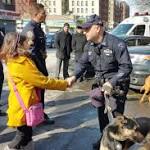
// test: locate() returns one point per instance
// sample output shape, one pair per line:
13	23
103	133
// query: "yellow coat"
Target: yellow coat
26	77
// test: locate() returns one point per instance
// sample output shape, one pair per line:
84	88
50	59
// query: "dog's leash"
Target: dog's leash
108	108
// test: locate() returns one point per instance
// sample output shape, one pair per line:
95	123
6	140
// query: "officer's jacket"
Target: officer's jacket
110	60
38	49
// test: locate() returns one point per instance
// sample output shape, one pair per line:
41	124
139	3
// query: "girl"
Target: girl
27	78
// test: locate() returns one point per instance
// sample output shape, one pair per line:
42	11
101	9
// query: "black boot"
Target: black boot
48	120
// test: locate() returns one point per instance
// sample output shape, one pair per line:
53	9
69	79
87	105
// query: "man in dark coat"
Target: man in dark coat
63	44
38	49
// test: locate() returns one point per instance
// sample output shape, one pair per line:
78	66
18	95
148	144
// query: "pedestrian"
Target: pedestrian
27	78
63	44
38	49
78	43
1	73
111	61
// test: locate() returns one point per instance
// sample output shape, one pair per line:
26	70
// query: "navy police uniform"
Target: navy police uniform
111	62
38	50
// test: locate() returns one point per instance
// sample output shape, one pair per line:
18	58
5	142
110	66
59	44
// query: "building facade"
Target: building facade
124	9
55	7
8	15
117	12
84	8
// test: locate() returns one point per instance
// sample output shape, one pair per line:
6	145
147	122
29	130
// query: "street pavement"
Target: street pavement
76	124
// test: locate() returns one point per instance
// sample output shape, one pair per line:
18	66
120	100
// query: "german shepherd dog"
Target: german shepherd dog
123	132
146	89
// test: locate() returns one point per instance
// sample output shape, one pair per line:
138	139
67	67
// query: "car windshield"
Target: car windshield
121	29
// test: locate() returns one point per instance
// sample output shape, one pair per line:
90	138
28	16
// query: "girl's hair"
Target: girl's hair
13	45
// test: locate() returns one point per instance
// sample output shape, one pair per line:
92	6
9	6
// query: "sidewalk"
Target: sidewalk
76	124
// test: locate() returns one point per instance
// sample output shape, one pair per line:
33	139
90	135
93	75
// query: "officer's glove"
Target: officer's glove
107	88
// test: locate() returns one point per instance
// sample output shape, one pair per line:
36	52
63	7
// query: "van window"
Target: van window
138	30
121	29
131	42
144	41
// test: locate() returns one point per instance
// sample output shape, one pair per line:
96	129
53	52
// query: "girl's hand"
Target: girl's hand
71	80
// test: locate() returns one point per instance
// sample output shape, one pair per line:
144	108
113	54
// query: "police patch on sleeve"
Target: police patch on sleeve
121	45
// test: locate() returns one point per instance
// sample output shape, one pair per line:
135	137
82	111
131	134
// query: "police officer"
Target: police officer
38	50
110	59
78	43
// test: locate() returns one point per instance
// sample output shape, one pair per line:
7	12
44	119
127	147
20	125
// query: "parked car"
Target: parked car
50	40
136	40
140	57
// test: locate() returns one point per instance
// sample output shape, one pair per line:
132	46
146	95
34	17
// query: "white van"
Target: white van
135	25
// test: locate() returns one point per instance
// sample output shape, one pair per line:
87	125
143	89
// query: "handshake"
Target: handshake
71	81
107	88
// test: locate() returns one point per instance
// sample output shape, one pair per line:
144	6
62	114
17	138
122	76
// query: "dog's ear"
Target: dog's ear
113	128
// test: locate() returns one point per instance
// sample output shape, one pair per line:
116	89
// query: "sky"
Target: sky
138	6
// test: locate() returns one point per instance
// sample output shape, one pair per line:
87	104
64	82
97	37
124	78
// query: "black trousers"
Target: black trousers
103	118
120	102
22	138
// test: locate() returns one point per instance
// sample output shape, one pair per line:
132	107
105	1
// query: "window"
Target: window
78	10
7	1
138	30
54	3
122	29
92	3
86	3
54	10
49	2
72	3
86	10
131	42
92	10
73	10
4	1
81	3
78	3
144	41
50	10
81	10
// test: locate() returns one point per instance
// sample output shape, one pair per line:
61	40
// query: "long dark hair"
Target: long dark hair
12	44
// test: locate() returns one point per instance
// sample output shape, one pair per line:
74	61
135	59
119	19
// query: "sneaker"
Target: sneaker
48	120
2	113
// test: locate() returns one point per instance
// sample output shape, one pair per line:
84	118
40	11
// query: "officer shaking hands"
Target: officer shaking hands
112	65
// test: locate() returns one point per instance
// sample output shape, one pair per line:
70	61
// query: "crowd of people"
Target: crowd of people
25	54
